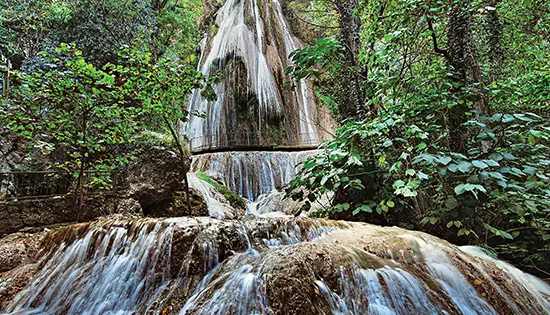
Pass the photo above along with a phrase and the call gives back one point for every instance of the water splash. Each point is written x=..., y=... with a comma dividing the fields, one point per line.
x=453, y=282
x=218, y=206
x=537, y=289
x=114, y=268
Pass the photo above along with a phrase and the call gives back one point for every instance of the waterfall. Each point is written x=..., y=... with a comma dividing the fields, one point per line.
x=251, y=173
x=113, y=267
x=265, y=262
x=250, y=46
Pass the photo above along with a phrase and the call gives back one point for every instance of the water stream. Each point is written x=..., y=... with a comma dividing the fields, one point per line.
x=268, y=266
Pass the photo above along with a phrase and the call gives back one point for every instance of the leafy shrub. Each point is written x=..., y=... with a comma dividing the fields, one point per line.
x=396, y=169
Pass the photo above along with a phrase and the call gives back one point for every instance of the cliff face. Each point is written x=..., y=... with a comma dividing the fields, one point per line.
x=248, y=44
x=11, y=150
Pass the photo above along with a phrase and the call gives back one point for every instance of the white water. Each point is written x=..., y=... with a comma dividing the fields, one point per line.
x=537, y=288
x=463, y=295
x=234, y=39
x=405, y=293
x=251, y=173
x=111, y=269
x=308, y=131
x=118, y=267
x=218, y=206
x=252, y=35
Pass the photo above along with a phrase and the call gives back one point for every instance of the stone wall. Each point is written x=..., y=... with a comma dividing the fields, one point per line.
x=150, y=185
x=17, y=215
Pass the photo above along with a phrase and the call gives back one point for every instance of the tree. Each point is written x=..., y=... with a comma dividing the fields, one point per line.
x=351, y=97
x=466, y=74
x=451, y=147
x=83, y=113
x=99, y=28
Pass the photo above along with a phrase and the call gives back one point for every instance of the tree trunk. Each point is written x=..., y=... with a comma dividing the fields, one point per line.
x=466, y=75
x=494, y=30
x=351, y=96
x=183, y=161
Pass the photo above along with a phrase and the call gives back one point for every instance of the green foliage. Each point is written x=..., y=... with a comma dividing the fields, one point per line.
x=234, y=199
x=394, y=166
x=70, y=109
x=82, y=113
x=99, y=28
x=397, y=165
x=325, y=55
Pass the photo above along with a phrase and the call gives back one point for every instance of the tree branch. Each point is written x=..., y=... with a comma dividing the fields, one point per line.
x=438, y=50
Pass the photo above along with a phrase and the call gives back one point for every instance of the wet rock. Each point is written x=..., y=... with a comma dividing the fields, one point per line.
x=19, y=249
x=275, y=202
x=217, y=203
x=19, y=253
x=178, y=207
x=269, y=266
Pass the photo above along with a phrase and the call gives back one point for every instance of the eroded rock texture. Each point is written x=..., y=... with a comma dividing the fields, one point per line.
x=268, y=266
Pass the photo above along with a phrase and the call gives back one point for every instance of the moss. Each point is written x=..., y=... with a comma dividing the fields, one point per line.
x=234, y=199
x=277, y=134
x=213, y=30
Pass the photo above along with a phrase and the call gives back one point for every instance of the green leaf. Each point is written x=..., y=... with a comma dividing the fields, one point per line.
x=366, y=208
x=508, y=156
x=464, y=166
x=480, y=164
x=398, y=184
x=536, y=133
x=445, y=160
x=422, y=175
x=410, y=172
x=453, y=168
x=451, y=202
x=491, y=163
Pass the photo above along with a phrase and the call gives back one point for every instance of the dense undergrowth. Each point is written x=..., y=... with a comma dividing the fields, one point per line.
x=449, y=139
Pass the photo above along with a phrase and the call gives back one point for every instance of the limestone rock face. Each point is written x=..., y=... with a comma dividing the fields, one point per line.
x=154, y=175
x=11, y=150
x=150, y=185
x=18, y=254
x=250, y=43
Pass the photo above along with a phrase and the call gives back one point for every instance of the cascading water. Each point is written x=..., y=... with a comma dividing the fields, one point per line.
x=251, y=48
x=266, y=266
x=231, y=264
x=111, y=267
x=251, y=173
